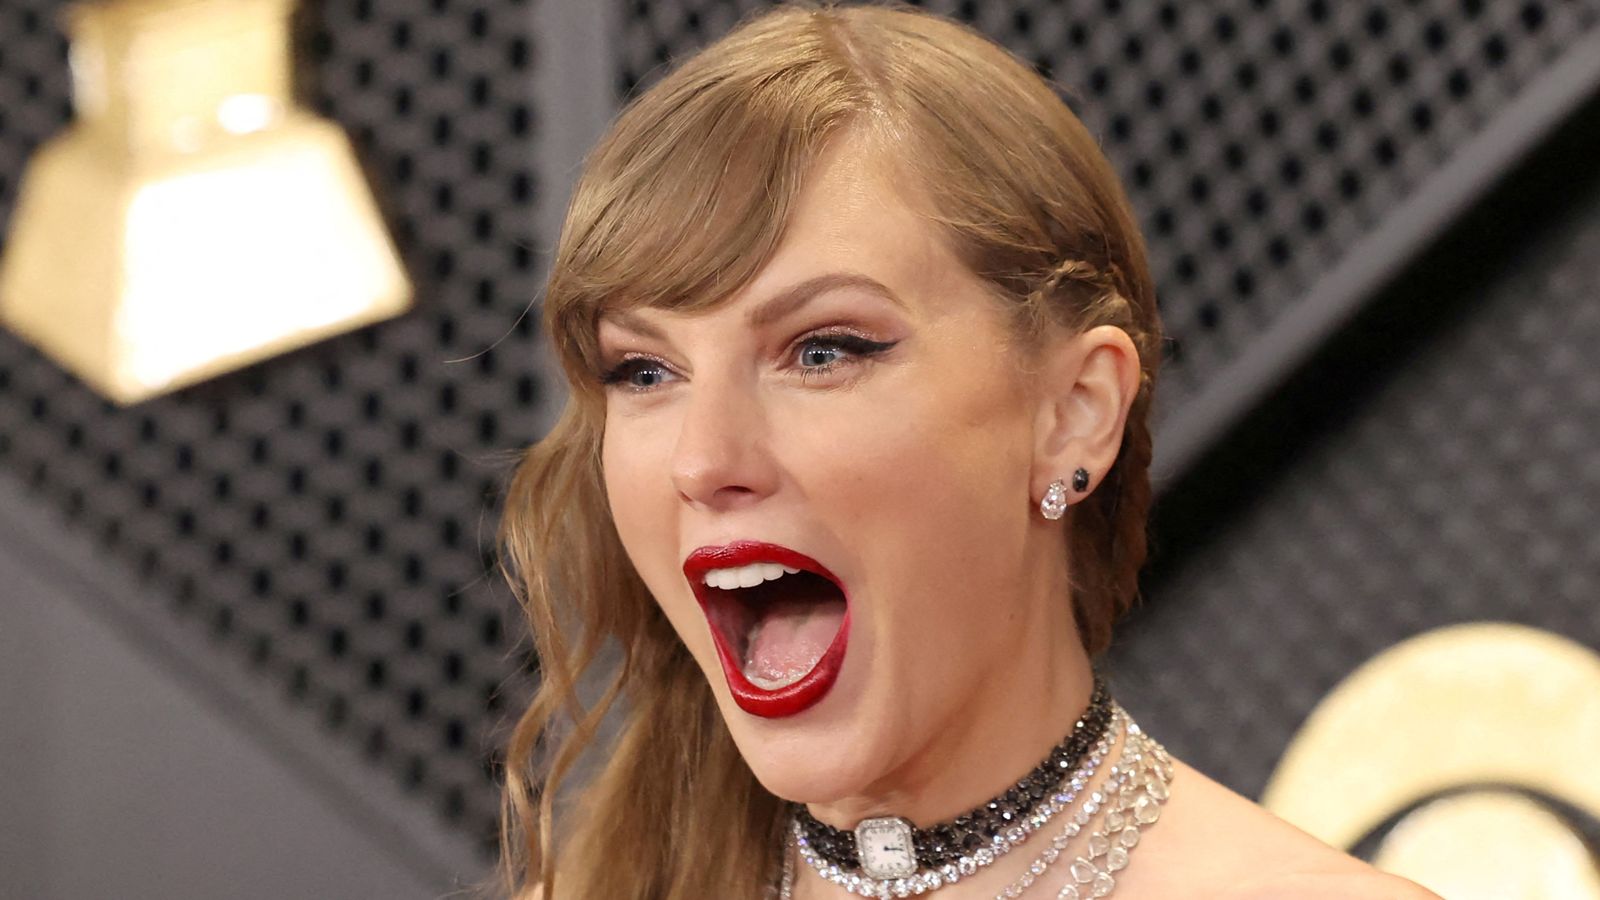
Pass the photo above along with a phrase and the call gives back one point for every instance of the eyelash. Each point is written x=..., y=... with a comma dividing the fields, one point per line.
x=858, y=347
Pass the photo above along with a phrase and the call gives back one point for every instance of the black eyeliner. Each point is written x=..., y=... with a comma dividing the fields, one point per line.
x=854, y=343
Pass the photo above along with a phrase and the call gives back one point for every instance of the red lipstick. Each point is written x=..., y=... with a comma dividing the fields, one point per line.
x=815, y=684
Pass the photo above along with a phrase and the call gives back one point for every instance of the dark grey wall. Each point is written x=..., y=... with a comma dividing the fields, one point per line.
x=1439, y=464
x=118, y=779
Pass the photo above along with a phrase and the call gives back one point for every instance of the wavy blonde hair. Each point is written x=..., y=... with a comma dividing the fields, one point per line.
x=680, y=204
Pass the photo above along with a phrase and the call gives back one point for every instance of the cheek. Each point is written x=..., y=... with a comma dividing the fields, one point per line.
x=644, y=509
x=934, y=512
x=959, y=437
x=930, y=481
x=622, y=476
x=633, y=476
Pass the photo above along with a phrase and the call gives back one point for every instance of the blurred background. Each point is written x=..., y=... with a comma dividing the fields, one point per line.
x=252, y=643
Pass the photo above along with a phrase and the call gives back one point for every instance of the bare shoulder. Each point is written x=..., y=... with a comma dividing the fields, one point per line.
x=1370, y=884
x=1213, y=843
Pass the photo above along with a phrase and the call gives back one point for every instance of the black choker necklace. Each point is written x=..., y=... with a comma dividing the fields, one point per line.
x=944, y=843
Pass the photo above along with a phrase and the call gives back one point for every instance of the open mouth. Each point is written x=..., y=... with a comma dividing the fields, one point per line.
x=777, y=630
x=779, y=620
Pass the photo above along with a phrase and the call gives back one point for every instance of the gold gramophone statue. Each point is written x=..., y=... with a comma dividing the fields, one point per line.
x=1479, y=742
x=193, y=219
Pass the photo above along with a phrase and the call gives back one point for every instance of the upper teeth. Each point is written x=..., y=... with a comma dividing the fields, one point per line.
x=746, y=576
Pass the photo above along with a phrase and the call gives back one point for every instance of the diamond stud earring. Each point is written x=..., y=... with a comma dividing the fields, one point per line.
x=1054, y=504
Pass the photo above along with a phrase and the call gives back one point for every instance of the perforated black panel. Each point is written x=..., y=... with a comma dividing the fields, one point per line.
x=1258, y=139
x=1464, y=490
x=325, y=518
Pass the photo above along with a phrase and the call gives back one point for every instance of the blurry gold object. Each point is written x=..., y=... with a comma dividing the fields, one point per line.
x=1464, y=707
x=1491, y=844
x=193, y=220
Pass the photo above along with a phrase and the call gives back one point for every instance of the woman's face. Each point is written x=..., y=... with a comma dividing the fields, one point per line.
x=853, y=411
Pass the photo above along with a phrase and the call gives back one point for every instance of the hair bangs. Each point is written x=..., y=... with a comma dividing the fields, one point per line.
x=690, y=195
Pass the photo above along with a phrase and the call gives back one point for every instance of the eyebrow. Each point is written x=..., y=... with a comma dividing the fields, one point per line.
x=775, y=307
x=799, y=295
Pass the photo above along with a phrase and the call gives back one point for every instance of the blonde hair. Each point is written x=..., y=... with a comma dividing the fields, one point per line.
x=680, y=204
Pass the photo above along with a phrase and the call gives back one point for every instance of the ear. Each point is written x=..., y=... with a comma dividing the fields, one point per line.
x=1088, y=382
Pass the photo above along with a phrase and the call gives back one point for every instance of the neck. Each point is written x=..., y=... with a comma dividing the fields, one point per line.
x=1008, y=722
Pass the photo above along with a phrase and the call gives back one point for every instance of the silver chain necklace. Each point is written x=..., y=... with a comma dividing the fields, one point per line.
x=1132, y=797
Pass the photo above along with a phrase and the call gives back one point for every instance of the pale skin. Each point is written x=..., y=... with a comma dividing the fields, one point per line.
x=914, y=473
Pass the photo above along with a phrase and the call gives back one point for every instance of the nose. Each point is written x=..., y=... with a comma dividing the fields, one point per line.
x=721, y=459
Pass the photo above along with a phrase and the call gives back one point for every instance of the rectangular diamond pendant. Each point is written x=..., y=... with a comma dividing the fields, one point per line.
x=884, y=847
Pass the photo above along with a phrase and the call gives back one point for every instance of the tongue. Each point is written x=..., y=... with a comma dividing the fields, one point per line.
x=789, y=639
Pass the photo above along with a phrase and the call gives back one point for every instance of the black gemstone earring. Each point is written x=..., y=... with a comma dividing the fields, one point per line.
x=1080, y=480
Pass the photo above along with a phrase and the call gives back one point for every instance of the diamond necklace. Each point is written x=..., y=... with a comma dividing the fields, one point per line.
x=1136, y=788
x=1065, y=796
x=1132, y=797
x=928, y=879
x=894, y=848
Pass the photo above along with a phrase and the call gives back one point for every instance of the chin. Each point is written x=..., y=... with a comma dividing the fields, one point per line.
x=833, y=750
x=810, y=766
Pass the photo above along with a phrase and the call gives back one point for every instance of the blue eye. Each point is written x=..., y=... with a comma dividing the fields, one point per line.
x=637, y=373
x=817, y=354
x=645, y=377
x=822, y=352
x=814, y=355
